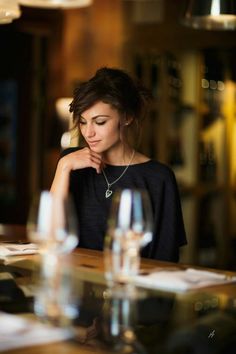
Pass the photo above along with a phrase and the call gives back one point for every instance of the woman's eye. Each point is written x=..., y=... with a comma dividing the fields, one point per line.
x=81, y=122
x=101, y=122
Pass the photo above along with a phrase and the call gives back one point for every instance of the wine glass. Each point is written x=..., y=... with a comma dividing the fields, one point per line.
x=52, y=223
x=129, y=229
x=119, y=322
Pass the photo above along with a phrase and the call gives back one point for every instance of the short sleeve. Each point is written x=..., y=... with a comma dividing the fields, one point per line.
x=169, y=232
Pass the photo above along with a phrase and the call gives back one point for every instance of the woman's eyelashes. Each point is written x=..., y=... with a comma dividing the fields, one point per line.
x=98, y=122
x=101, y=122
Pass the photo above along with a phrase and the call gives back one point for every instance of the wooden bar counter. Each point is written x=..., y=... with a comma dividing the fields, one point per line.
x=199, y=321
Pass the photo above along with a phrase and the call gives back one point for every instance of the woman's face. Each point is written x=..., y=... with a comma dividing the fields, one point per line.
x=100, y=127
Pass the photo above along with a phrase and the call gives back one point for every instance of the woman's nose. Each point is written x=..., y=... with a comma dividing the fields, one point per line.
x=89, y=130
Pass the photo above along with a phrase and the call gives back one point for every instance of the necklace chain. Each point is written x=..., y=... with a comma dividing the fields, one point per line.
x=109, y=192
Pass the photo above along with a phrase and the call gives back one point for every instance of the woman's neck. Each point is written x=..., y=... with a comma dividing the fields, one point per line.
x=119, y=156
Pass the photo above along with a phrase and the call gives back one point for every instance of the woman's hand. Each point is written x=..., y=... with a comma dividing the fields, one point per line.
x=81, y=159
x=74, y=161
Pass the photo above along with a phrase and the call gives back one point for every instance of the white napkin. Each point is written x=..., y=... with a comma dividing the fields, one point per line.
x=182, y=280
x=16, y=332
x=15, y=249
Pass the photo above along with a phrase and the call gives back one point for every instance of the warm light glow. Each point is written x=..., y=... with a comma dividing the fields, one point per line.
x=62, y=108
x=212, y=22
x=70, y=137
x=229, y=112
x=66, y=140
x=56, y=4
x=9, y=11
x=214, y=14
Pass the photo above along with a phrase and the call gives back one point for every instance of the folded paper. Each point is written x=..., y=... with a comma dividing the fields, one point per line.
x=182, y=280
x=16, y=332
x=15, y=249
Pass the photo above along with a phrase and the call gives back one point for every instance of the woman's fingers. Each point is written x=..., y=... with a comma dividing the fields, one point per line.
x=96, y=162
x=85, y=158
x=74, y=161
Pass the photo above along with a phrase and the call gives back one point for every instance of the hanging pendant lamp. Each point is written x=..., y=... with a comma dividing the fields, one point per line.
x=211, y=14
x=9, y=11
x=56, y=4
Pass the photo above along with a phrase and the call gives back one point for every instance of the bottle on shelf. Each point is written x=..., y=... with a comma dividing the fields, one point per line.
x=207, y=244
x=176, y=157
x=155, y=76
x=208, y=162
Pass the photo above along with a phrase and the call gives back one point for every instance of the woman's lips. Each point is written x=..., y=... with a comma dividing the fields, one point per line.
x=93, y=143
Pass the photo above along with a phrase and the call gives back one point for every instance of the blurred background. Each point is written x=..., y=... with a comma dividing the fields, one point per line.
x=44, y=53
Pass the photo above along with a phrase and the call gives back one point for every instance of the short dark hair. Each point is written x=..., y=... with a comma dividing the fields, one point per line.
x=115, y=87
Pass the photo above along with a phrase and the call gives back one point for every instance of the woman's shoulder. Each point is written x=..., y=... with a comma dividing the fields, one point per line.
x=152, y=165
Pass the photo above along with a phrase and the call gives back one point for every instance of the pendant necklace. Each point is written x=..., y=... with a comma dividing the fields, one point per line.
x=109, y=192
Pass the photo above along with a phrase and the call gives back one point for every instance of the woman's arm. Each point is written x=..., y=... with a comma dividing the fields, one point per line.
x=169, y=232
x=76, y=160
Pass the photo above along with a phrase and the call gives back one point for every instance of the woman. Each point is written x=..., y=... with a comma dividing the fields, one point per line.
x=106, y=109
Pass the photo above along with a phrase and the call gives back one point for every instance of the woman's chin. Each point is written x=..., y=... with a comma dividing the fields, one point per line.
x=96, y=149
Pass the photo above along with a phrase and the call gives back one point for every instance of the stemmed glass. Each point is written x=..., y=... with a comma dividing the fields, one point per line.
x=130, y=226
x=119, y=322
x=52, y=223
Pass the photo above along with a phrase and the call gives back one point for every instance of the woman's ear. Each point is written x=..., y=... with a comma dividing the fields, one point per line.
x=128, y=120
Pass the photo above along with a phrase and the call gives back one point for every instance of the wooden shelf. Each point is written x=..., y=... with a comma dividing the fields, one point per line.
x=234, y=192
x=182, y=127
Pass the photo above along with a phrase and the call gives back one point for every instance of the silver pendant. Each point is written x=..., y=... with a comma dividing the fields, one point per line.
x=108, y=193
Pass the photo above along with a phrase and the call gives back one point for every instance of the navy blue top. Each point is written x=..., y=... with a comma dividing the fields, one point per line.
x=87, y=187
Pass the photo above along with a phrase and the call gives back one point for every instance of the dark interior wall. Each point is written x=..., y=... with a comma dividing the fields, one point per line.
x=15, y=75
x=27, y=83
